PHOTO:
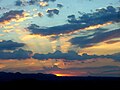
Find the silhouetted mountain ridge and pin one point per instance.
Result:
(9, 76)
(18, 80)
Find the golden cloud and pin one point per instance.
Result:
(43, 4)
(102, 48)
(16, 18)
(32, 65)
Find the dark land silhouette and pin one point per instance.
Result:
(40, 80)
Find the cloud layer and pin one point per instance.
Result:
(10, 45)
(87, 41)
(11, 15)
(17, 54)
(12, 50)
(101, 16)
(71, 55)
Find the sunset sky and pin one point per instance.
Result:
(62, 37)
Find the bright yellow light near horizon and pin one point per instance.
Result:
(60, 75)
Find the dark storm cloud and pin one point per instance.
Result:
(10, 45)
(96, 38)
(11, 15)
(101, 16)
(71, 55)
(17, 54)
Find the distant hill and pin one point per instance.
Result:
(44, 80)
(8, 76)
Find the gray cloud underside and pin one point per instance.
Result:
(11, 15)
(10, 45)
(71, 55)
(101, 16)
(86, 41)
(17, 54)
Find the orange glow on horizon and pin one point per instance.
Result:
(60, 75)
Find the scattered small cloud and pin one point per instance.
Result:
(51, 12)
(59, 5)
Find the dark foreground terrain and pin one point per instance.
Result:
(48, 81)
